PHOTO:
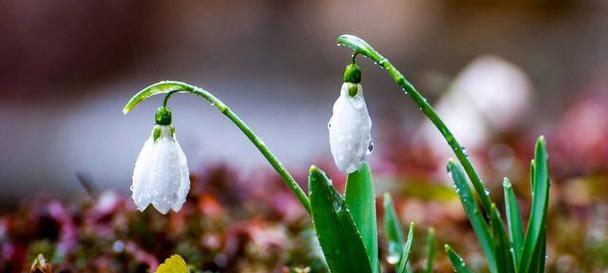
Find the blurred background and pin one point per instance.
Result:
(499, 72)
(67, 68)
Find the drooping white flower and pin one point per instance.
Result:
(350, 129)
(161, 176)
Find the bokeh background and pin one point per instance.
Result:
(499, 72)
(67, 68)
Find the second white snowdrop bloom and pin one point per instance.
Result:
(350, 129)
(161, 176)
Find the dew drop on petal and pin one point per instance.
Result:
(370, 147)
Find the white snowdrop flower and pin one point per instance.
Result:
(350, 125)
(161, 176)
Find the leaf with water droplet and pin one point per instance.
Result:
(338, 236)
(471, 208)
(392, 231)
(458, 263)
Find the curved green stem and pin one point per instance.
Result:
(359, 46)
(166, 99)
(171, 87)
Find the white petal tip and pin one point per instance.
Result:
(177, 208)
(161, 210)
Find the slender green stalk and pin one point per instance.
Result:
(171, 87)
(359, 46)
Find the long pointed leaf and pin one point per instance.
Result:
(539, 257)
(516, 231)
(502, 245)
(361, 202)
(338, 236)
(540, 201)
(473, 212)
(457, 262)
(407, 248)
(392, 230)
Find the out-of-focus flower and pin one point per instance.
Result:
(161, 176)
(350, 127)
(582, 132)
(490, 96)
(40, 265)
(173, 264)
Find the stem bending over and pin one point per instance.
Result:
(171, 87)
(359, 46)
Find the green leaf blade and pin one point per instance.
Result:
(407, 249)
(336, 231)
(457, 262)
(473, 212)
(516, 230)
(392, 230)
(540, 202)
(539, 256)
(502, 244)
(431, 248)
(360, 199)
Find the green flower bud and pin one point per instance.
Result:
(352, 73)
(163, 116)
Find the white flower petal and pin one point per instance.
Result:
(140, 194)
(161, 174)
(166, 174)
(184, 182)
(350, 130)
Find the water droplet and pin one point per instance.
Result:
(464, 151)
(370, 147)
(392, 259)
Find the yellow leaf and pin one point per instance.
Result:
(173, 264)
